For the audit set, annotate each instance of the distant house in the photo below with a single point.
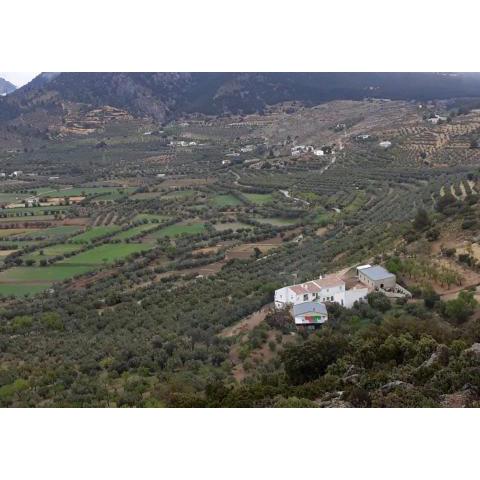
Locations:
(299, 149)
(318, 152)
(365, 136)
(309, 313)
(247, 148)
(376, 277)
(436, 119)
(226, 162)
(385, 144)
(322, 289)
(32, 201)
(330, 288)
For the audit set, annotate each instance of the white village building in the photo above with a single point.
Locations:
(330, 288)
(306, 300)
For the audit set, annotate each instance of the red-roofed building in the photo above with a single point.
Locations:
(330, 288)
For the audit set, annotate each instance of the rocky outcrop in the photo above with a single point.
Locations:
(474, 350)
(439, 357)
(333, 400)
(460, 399)
(388, 387)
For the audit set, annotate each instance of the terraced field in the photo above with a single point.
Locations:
(104, 254)
(135, 231)
(95, 233)
(226, 201)
(179, 229)
(259, 198)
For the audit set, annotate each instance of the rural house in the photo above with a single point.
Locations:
(330, 288)
(376, 277)
(309, 313)
(324, 289)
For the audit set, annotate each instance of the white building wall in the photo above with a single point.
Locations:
(351, 296)
(285, 296)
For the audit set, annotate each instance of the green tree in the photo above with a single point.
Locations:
(310, 360)
(52, 320)
(459, 309)
(422, 220)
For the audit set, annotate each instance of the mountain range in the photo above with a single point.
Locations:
(6, 87)
(164, 96)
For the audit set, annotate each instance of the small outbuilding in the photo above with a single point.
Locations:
(377, 277)
(310, 313)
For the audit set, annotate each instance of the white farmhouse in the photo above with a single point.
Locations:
(318, 152)
(330, 288)
(385, 144)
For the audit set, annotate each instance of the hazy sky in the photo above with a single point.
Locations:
(18, 78)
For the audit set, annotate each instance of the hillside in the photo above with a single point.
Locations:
(6, 87)
(138, 262)
(163, 96)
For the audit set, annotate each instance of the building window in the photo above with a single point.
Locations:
(305, 297)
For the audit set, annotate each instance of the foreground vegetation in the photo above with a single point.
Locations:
(123, 287)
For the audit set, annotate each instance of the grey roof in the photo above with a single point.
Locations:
(309, 307)
(376, 273)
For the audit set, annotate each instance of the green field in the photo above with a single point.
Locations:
(94, 233)
(51, 273)
(104, 254)
(134, 231)
(233, 225)
(32, 211)
(10, 197)
(179, 229)
(146, 195)
(259, 198)
(357, 203)
(276, 221)
(227, 200)
(151, 217)
(54, 232)
(86, 191)
(26, 218)
(9, 232)
(196, 208)
(22, 290)
(7, 243)
(52, 251)
(180, 194)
